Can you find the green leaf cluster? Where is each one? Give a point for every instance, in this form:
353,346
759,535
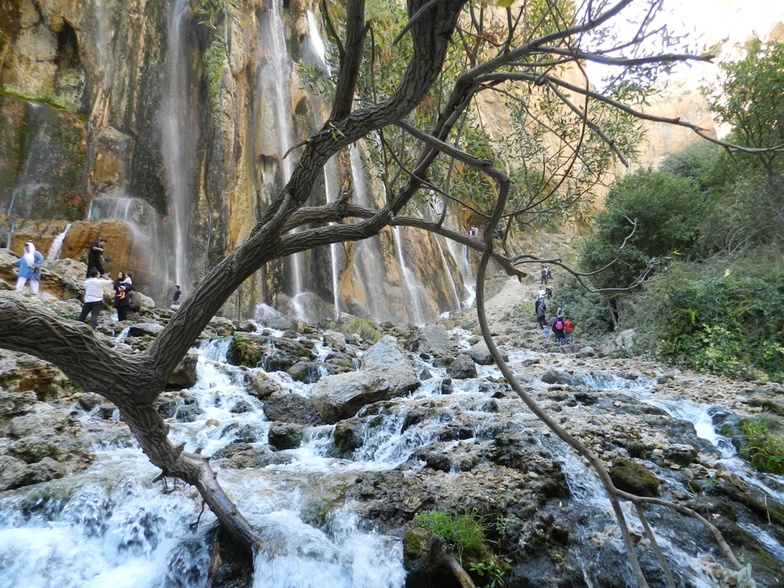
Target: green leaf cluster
765,436
466,536
721,316
649,217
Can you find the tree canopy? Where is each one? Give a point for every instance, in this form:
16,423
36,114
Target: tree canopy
416,86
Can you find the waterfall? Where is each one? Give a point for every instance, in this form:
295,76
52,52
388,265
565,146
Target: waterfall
57,245
281,71
179,136
460,255
368,259
316,45
146,228
448,274
416,295
331,189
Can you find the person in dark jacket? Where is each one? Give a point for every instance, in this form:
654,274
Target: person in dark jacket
95,257
122,298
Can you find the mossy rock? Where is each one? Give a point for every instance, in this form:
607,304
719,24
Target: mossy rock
634,478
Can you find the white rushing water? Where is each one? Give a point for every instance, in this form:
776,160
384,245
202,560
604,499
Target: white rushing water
112,526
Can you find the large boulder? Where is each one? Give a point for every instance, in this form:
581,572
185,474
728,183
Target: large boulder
385,374
430,340
462,368
385,360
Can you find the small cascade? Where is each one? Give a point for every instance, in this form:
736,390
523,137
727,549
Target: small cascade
179,136
415,293
448,274
317,51
57,245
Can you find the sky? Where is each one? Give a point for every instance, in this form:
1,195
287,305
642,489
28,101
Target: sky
706,22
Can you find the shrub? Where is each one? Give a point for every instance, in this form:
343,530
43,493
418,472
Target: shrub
720,316
765,448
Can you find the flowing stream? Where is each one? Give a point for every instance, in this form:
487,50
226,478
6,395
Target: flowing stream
113,526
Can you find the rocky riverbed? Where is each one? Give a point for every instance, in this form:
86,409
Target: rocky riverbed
329,427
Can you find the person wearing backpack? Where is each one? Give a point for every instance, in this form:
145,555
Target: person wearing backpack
558,330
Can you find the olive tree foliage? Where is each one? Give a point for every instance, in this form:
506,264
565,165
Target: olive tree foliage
666,212
420,113
749,97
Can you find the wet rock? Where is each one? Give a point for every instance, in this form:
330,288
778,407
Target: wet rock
432,340
291,408
12,472
144,329
348,436
680,454
20,373
184,375
559,377
341,396
462,368
586,352
385,360
385,374
334,340
247,327
188,413
42,420
270,353
242,455
90,400
34,449
241,407
261,385
285,436
635,478
480,353
306,372
15,403
243,433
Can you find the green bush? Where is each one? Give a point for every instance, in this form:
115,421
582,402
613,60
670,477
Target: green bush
765,448
351,325
722,316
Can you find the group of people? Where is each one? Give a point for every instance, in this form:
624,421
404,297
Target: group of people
545,275
558,325
125,298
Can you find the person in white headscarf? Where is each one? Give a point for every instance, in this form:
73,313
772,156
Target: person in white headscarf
29,268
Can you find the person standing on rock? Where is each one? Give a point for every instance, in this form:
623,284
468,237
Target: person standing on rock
29,269
558,330
568,328
93,297
122,296
95,257
541,309
177,297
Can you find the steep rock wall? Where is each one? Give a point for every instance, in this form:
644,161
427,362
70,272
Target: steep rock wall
174,128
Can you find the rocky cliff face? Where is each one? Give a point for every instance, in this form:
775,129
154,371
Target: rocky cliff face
139,111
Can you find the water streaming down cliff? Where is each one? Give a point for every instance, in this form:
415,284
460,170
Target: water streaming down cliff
57,244
121,529
179,136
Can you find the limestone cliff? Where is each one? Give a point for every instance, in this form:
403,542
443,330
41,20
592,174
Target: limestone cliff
139,111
